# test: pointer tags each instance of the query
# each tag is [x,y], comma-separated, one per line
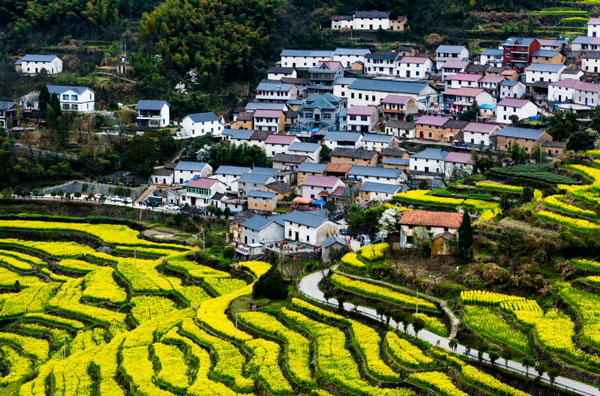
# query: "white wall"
[503,113]
[193,129]
[52,68]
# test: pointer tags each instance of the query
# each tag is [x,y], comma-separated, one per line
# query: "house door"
[586,101]
[246,240]
[297,237]
[193,199]
[421,135]
[370,27]
[426,169]
[364,128]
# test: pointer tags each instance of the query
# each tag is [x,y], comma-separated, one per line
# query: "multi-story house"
[381,192]
[460,80]
[153,113]
[463,99]
[428,162]
[200,124]
[333,139]
[518,52]
[9,113]
[322,76]
[279,144]
[378,141]
[275,91]
[262,200]
[370,92]
[352,156]
[34,64]
[397,107]
[362,118]
[268,120]
[547,56]
[512,89]
[432,128]
[478,133]
[543,72]
[522,108]
[400,129]
[380,63]
[349,56]
[276,73]
[377,174]
[304,59]
[414,67]
[590,62]
[307,169]
[199,192]
[310,150]
[593,27]
[525,137]
[445,53]
[74,99]
[371,20]
[253,181]
[492,57]
[188,170]
[310,228]
[450,68]
[320,187]
[319,111]
[229,175]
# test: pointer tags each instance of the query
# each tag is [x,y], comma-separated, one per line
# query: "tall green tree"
[44,98]
[465,236]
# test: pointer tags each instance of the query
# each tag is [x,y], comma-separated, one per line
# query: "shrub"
[271,285]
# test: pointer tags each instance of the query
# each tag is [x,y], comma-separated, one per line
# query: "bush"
[271,285]
[229,252]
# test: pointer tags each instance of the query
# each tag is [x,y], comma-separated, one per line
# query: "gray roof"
[280,70]
[342,136]
[372,14]
[375,171]
[333,239]
[545,53]
[309,167]
[431,153]
[305,218]
[281,188]
[395,161]
[522,40]
[316,53]
[276,86]
[304,147]
[261,194]
[254,178]
[344,81]
[583,40]
[259,170]
[451,49]
[382,55]
[151,104]
[408,87]
[289,158]
[492,52]
[6,104]
[203,117]
[241,134]
[232,170]
[520,133]
[190,166]
[36,58]
[58,89]
[379,188]
[377,138]
[509,83]
[257,222]
[353,153]
[545,67]
[351,51]
[401,124]
[265,106]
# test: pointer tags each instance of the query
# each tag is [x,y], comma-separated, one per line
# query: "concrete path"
[309,287]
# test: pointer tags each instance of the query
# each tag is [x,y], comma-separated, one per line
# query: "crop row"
[486,322]
[586,305]
[500,187]
[437,381]
[554,202]
[265,365]
[406,353]
[373,253]
[569,222]
[423,197]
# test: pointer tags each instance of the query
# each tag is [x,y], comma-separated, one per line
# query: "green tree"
[527,194]
[418,324]
[582,140]
[512,246]
[465,236]
[271,285]
[44,98]
[325,153]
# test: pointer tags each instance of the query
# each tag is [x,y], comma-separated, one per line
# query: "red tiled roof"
[267,113]
[320,181]
[432,120]
[338,167]
[331,65]
[464,91]
[362,110]
[465,77]
[455,64]
[513,102]
[280,139]
[414,59]
[479,127]
[396,99]
[459,158]
[433,219]
[201,182]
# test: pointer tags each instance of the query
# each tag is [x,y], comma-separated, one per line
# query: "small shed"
[330,245]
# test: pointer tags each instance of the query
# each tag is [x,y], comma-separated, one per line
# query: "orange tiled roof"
[338,168]
[433,219]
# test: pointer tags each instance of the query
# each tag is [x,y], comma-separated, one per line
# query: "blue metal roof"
[492,52]
[545,53]
[450,49]
[190,166]
[306,147]
[151,104]
[525,41]
[408,87]
[58,89]
[342,136]
[203,117]
[258,170]
[431,153]
[307,53]
[379,188]
[232,170]
[254,178]
[374,171]
[257,222]
[36,58]
[309,167]
[331,240]
[396,161]
[344,81]
[583,40]
[377,138]
[273,86]
[305,218]
[520,133]
[545,67]
[509,83]
[265,106]
[351,51]
[261,194]
[241,134]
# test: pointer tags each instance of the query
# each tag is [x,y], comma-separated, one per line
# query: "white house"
[348,56]
[590,62]
[275,91]
[587,94]
[309,228]
[460,80]
[188,170]
[562,91]
[445,53]
[199,192]
[450,68]
[320,187]
[362,118]
[543,72]
[276,73]
[428,161]
[492,57]
[460,161]
[398,107]
[478,133]
[381,192]
[400,129]
[259,231]
[376,174]
[414,67]
[8,113]
[310,150]
[304,59]
[153,113]
[491,82]
[370,92]
[371,20]
[334,139]
[463,98]
[240,136]
[593,27]
[279,144]
[342,22]
[267,120]
[378,141]
[522,108]
[74,99]
[381,63]
[229,175]
[199,124]
[34,64]
[340,86]
[512,89]
[437,223]
[254,181]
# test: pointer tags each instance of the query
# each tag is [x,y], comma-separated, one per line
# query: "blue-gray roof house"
[259,231]
[232,170]
[430,154]
[376,174]
[190,170]
[333,139]
[261,194]
[33,64]
[309,167]
[309,228]
[153,113]
[521,133]
[74,99]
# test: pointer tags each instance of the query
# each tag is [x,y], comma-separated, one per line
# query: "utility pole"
[135,264]
[417,313]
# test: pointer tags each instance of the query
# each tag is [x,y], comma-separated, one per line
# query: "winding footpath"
[309,287]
